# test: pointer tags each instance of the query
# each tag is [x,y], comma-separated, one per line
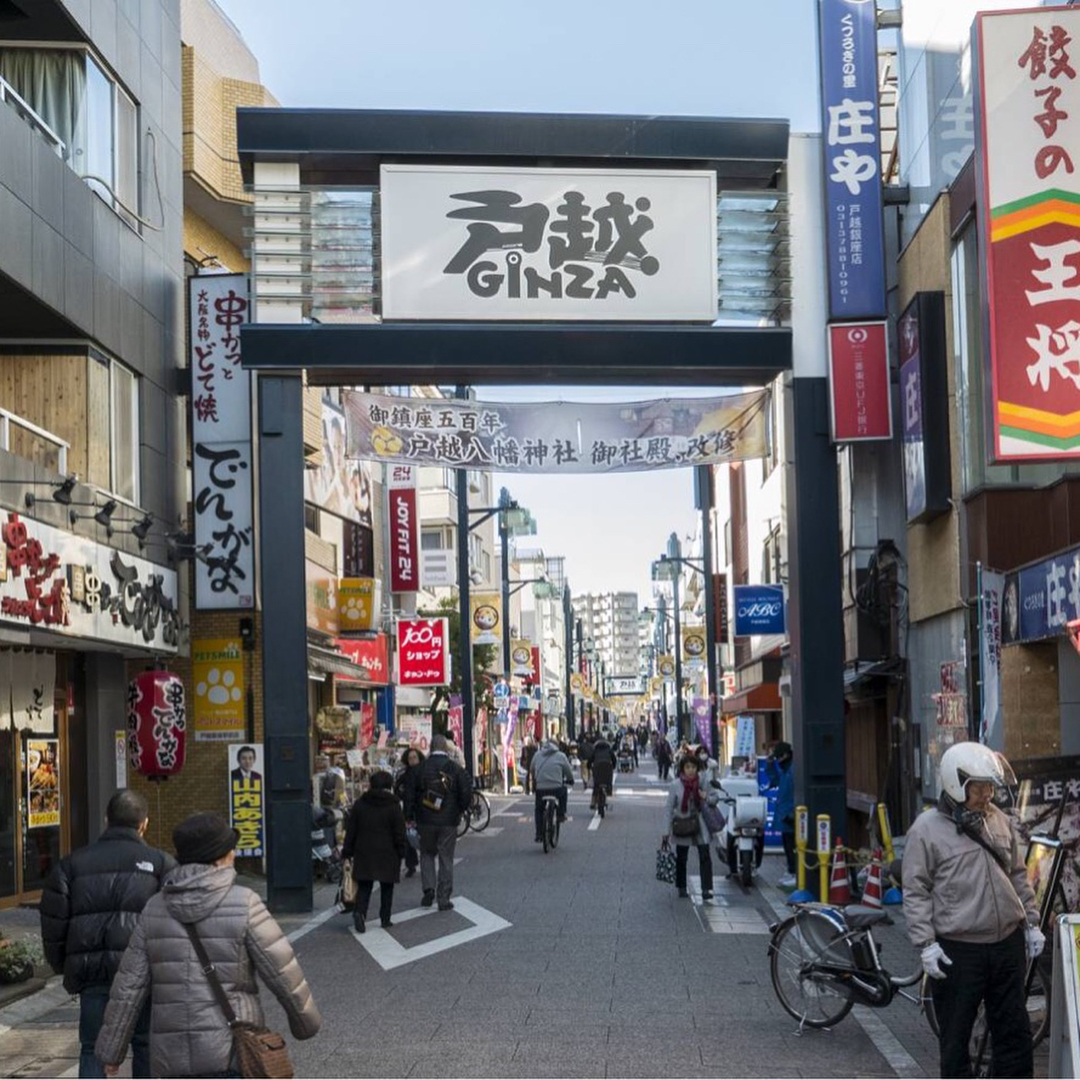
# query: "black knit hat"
[203,838]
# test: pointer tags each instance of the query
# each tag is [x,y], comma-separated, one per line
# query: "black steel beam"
[521,353]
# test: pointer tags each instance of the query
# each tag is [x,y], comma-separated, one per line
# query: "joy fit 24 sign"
[561,244]
[1028,144]
[404,529]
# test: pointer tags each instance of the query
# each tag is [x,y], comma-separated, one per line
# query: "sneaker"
[427,899]
[788,881]
[706,894]
[386,924]
[445,905]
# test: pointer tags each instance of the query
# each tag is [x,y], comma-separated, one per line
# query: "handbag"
[714,819]
[346,897]
[260,1052]
[685,826]
[665,864]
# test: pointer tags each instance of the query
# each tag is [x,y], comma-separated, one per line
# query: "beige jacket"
[955,889]
[189,1035]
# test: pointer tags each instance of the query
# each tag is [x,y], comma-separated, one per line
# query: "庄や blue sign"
[759,609]
[1040,600]
[852,159]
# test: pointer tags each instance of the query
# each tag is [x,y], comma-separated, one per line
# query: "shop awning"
[860,671]
[323,662]
[765,697]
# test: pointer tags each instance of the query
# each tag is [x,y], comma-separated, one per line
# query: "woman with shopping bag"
[686,802]
[375,842]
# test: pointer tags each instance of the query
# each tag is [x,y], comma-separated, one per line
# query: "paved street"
[578,963]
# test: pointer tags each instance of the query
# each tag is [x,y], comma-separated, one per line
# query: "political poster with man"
[247,805]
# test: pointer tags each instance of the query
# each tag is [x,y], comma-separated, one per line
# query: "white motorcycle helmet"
[966,761]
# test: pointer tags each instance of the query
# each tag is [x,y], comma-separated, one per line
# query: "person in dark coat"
[603,767]
[375,841]
[89,909]
[411,762]
[663,758]
[528,752]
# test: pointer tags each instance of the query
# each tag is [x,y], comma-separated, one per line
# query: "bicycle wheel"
[479,812]
[799,943]
[554,828]
[549,825]
[464,822]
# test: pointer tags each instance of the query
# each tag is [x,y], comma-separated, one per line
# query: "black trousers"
[386,898]
[682,854]
[994,974]
[789,850]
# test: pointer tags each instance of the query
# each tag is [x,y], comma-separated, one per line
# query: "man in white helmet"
[971,912]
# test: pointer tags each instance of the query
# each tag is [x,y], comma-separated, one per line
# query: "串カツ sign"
[563,244]
[1029,228]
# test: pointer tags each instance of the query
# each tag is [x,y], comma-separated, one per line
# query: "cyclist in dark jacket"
[89,909]
[603,767]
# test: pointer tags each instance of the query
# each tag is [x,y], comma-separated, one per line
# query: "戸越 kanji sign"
[852,159]
[423,652]
[1029,221]
[566,244]
[221,443]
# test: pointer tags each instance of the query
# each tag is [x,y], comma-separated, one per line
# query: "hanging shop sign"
[27,684]
[1040,600]
[666,666]
[247,807]
[924,407]
[217,674]
[371,654]
[461,242]
[559,437]
[1028,98]
[577,683]
[693,643]
[42,783]
[404,522]
[221,442]
[358,550]
[365,731]
[851,126]
[992,588]
[73,586]
[759,609]
[423,647]
[703,722]
[618,685]
[322,605]
[357,604]
[485,618]
[521,658]
[438,568]
[157,723]
[720,607]
[860,389]
[341,485]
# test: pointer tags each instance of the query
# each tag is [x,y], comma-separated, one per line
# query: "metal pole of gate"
[464,629]
[704,489]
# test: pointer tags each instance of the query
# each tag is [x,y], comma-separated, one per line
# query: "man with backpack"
[436,795]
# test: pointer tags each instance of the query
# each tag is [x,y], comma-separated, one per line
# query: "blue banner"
[1041,600]
[759,609]
[851,135]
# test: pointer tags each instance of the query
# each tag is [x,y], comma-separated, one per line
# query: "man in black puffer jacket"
[89,910]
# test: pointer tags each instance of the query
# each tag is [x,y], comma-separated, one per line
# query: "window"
[311,517]
[770,559]
[124,432]
[93,119]
[431,540]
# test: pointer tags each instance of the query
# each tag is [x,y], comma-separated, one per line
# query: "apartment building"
[610,620]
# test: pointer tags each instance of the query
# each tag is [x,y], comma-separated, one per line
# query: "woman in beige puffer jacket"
[189,1035]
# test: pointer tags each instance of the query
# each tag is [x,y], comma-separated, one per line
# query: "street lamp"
[678,666]
[666,568]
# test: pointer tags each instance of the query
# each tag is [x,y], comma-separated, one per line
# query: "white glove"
[1035,941]
[933,956]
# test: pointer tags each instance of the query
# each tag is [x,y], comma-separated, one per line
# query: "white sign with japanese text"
[221,443]
[549,244]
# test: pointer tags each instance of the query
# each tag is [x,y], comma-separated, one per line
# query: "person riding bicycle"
[551,773]
[971,912]
[603,767]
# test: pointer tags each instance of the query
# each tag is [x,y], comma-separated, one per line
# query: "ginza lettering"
[589,253]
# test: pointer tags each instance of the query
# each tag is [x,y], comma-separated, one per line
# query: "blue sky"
[692,57]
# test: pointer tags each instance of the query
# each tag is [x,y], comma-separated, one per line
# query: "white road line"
[877,1031]
[595,823]
[314,923]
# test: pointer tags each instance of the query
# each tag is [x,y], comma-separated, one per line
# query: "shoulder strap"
[210,972]
[984,843]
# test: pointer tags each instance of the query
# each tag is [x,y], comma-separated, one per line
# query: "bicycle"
[550,823]
[478,816]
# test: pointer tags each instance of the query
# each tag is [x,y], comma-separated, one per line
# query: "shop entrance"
[348,320]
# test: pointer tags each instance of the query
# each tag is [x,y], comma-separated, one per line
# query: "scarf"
[690,789]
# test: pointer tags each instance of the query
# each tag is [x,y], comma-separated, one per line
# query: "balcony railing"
[20,437]
[7,93]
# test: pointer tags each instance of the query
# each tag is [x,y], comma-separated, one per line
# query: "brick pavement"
[602,971]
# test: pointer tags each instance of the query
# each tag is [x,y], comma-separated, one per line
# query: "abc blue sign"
[759,609]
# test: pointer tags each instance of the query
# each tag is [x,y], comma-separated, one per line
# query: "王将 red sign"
[423,652]
[404,529]
[372,654]
[860,399]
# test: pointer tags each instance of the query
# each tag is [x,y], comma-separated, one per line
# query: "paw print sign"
[357,601]
[218,688]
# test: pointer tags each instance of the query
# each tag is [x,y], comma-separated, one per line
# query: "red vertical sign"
[404,530]
[423,652]
[860,392]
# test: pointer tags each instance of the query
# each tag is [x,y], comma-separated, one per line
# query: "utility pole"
[675,553]
[464,629]
[504,542]
[568,653]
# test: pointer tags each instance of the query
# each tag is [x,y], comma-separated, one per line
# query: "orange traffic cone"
[839,882]
[871,896]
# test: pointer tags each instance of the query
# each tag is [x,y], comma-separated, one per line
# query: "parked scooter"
[742,842]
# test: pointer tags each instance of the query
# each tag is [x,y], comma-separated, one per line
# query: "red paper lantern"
[157,723]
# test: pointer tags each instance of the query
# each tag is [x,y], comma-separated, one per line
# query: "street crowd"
[165,953]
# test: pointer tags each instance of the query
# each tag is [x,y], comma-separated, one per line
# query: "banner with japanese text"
[403,514]
[485,618]
[221,443]
[558,437]
[217,672]
[341,485]
[247,808]
[423,652]
[1028,98]
[992,590]
[42,780]
[521,658]
[358,601]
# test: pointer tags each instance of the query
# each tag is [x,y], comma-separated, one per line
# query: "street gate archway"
[289,156]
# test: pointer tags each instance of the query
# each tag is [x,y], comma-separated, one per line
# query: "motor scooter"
[741,843]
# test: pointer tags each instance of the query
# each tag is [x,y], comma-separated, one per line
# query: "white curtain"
[53,83]
[33,683]
[5,689]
